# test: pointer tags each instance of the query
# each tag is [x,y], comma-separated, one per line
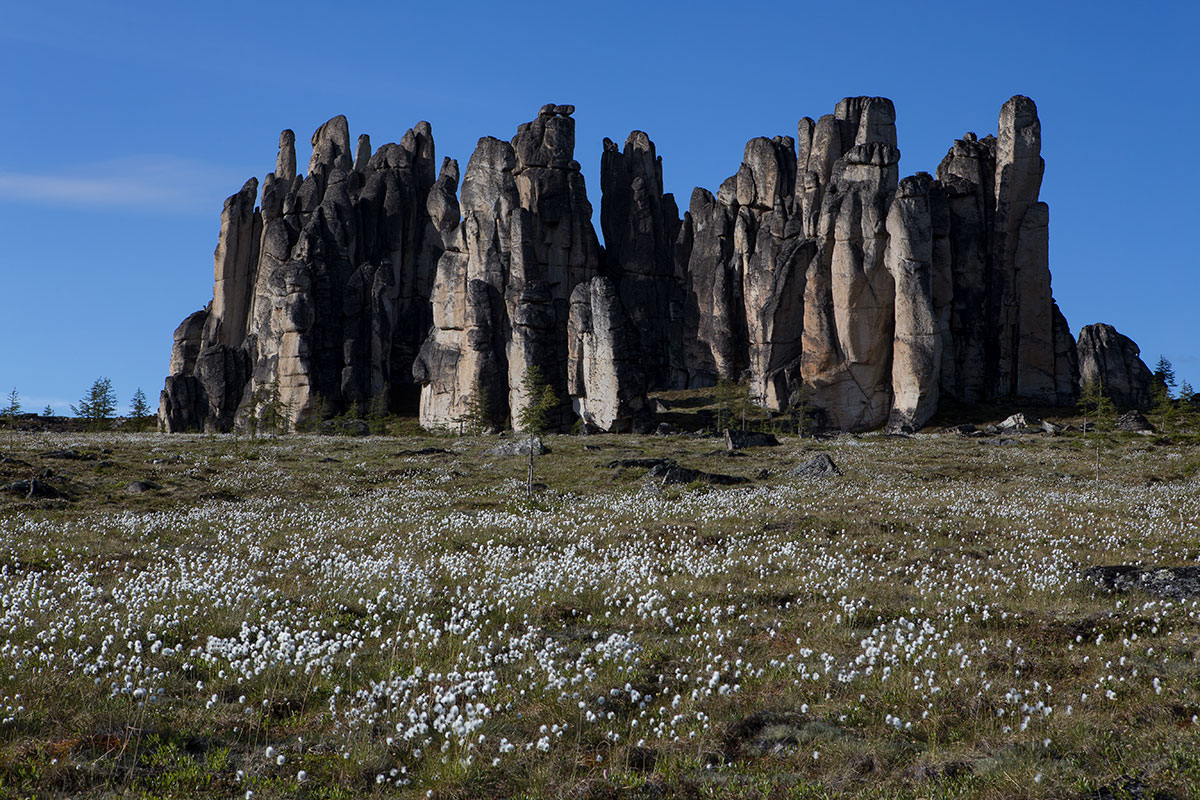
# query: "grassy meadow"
[393,616]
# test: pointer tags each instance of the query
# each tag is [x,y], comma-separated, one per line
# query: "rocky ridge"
[814,273]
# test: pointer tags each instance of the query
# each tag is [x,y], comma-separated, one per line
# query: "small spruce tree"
[1095,403]
[320,410]
[1189,404]
[801,410]
[377,412]
[14,404]
[477,417]
[47,411]
[139,410]
[1164,408]
[272,414]
[98,404]
[1164,374]
[10,414]
[536,417]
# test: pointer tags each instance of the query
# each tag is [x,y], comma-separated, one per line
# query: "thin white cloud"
[151,183]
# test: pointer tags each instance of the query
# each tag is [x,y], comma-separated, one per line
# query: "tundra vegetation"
[393,616]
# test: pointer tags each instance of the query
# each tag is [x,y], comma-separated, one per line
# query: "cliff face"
[814,272]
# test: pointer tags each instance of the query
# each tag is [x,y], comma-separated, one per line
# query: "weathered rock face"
[641,225]
[774,293]
[526,239]
[917,349]
[813,273]
[746,262]
[605,375]
[848,315]
[1006,336]
[1113,361]
[321,295]
[713,317]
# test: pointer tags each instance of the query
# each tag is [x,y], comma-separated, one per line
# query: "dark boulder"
[819,466]
[1175,582]
[1134,422]
[736,440]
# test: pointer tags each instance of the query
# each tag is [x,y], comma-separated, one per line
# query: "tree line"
[97,406]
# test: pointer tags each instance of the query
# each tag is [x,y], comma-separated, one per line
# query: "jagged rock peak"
[501,296]
[547,141]
[331,146]
[867,120]
[321,295]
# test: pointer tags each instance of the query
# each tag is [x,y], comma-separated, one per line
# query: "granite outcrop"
[816,275]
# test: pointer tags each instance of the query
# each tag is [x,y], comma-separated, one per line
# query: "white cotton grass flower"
[546,624]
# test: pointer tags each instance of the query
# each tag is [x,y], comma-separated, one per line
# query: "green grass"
[784,591]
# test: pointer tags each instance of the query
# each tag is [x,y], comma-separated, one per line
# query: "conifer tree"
[1164,374]
[1094,402]
[98,403]
[536,417]
[10,414]
[139,409]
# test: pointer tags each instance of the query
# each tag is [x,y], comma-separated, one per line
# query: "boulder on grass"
[819,466]
[1133,421]
[736,440]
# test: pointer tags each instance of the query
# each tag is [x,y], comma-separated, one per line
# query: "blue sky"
[127,124]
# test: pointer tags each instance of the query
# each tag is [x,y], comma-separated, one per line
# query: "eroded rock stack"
[502,293]
[1113,362]
[814,273]
[605,372]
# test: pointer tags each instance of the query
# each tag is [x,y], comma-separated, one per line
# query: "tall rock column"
[462,365]
[641,225]
[1022,275]
[554,249]
[917,349]
[969,352]
[724,233]
[605,375]
[849,296]
[501,297]
[713,311]
[234,265]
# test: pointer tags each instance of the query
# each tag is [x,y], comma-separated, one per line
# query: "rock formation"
[605,372]
[502,293]
[1112,361]
[1019,346]
[321,295]
[917,348]
[814,274]
[849,298]
[641,224]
